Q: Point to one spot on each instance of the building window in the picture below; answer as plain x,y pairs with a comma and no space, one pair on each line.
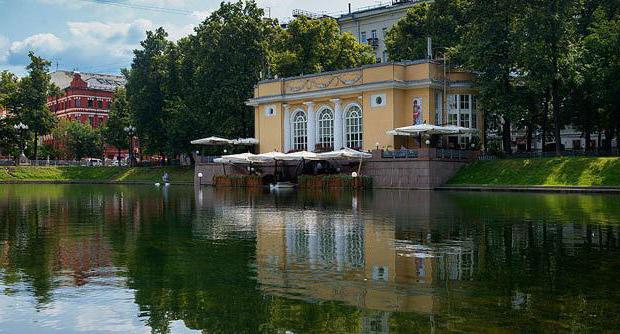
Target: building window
91,120
465,102
373,34
90,103
300,135
453,119
326,129
384,32
385,57
100,122
363,39
78,103
438,108
354,127
100,104
465,120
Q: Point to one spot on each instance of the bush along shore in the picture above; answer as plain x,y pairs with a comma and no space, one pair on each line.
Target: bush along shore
178,175
545,172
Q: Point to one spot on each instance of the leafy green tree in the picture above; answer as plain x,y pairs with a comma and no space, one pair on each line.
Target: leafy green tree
489,47
118,119
34,90
442,20
144,90
9,90
602,56
309,46
83,141
549,51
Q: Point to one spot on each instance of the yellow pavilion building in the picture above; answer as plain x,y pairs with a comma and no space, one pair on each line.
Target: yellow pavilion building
356,107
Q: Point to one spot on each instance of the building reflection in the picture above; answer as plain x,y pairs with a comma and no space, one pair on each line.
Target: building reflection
361,262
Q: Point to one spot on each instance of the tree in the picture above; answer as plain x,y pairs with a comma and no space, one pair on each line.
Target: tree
34,90
602,56
83,141
550,51
442,20
309,46
9,90
490,49
118,119
144,90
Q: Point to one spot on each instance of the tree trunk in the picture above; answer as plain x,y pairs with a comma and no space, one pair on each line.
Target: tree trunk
36,141
543,140
506,136
528,142
555,92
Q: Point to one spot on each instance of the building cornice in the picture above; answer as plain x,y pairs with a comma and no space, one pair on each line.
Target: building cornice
391,84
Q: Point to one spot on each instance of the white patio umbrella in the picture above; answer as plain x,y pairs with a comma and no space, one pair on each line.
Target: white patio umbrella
245,141
301,155
234,158
419,129
345,153
266,157
461,130
212,141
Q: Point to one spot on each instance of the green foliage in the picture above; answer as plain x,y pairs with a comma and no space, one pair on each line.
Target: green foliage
33,92
121,174
118,119
542,172
198,86
83,141
442,20
309,46
144,90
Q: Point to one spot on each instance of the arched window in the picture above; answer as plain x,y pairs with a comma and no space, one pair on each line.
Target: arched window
326,129
353,127
300,135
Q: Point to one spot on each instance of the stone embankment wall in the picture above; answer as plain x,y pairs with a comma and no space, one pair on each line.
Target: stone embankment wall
386,173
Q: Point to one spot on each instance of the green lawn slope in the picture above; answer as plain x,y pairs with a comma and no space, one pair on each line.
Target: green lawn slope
568,171
141,174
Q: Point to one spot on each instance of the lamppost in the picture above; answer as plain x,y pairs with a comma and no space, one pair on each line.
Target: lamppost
21,127
130,130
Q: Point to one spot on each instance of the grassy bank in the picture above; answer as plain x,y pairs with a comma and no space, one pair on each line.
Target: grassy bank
142,174
567,171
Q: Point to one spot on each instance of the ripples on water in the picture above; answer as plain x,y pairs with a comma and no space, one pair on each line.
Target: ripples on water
141,259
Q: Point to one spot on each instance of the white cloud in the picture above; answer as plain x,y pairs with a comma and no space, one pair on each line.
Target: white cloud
43,43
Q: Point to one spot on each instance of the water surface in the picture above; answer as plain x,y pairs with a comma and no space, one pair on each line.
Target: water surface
138,259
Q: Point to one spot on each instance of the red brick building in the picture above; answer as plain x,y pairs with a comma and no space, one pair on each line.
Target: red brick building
87,97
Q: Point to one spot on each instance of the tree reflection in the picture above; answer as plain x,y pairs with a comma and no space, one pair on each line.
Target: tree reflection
238,261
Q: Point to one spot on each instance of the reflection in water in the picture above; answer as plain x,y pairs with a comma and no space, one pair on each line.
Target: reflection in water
130,259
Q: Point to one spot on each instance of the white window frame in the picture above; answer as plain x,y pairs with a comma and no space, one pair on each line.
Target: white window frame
299,130
354,126
325,128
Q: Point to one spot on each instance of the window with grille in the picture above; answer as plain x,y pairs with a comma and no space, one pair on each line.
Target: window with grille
326,129
453,119
465,102
300,135
354,127
465,120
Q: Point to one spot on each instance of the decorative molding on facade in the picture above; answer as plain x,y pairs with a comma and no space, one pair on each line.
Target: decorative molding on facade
391,84
333,81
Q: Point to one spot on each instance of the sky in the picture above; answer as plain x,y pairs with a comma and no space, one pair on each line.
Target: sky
100,35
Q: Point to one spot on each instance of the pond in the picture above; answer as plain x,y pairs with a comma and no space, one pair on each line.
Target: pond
136,259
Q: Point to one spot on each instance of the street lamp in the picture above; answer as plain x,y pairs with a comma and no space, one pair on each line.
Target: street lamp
130,130
21,127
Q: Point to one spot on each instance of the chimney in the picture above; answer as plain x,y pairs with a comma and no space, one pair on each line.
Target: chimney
349,8
429,48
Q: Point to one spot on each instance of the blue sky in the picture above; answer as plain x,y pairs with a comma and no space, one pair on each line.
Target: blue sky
90,36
